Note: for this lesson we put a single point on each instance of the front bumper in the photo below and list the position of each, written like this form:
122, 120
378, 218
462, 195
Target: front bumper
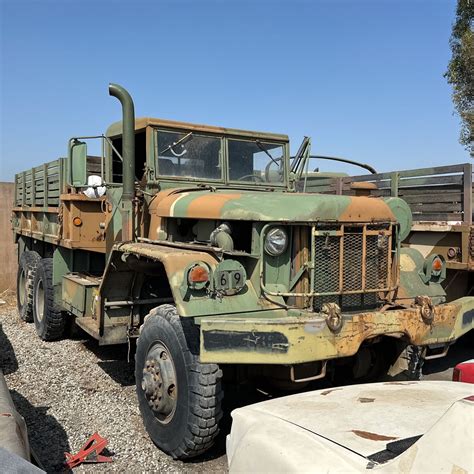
278, 338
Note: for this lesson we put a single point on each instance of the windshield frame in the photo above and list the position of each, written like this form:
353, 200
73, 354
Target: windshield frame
263, 142
196, 134
224, 160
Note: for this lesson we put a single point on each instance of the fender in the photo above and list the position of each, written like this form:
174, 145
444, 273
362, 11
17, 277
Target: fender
176, 260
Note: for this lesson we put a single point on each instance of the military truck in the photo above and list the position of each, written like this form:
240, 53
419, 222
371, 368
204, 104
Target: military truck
191, 242
440, 199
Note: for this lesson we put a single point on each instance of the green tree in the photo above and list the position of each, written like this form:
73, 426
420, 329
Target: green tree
460, 73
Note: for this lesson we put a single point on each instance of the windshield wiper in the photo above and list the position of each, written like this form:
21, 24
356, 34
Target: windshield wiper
181, 140
266, 152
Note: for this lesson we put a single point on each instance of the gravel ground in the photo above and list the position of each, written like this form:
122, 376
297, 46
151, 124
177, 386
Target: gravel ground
69, 389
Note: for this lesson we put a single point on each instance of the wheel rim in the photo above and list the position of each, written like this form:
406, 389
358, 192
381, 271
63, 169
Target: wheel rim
159, 382
39, 300
22, 287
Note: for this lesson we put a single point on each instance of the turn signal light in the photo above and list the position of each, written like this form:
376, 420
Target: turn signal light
77, 221
198, 274
437, 265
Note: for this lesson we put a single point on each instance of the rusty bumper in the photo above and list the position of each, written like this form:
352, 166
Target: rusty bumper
282, 337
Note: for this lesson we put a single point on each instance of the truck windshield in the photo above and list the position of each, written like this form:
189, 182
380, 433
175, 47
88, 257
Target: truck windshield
256, 161
186, 154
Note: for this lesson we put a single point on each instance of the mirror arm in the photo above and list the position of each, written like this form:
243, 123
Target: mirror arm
345, 160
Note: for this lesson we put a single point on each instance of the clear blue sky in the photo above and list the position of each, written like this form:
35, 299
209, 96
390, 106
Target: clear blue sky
363, 78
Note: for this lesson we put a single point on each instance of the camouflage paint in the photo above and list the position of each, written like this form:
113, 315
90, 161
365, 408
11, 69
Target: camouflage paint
196, 303
281, 207
293, 335
439, 197
304, 337
455, 243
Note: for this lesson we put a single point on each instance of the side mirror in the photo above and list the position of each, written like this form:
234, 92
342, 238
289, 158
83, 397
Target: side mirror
77, 163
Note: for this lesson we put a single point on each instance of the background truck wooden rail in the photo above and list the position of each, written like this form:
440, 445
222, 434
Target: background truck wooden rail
440, 194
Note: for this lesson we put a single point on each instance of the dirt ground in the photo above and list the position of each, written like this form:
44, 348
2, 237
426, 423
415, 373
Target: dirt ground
69, 389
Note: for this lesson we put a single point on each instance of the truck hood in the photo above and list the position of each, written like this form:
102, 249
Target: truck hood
271, 207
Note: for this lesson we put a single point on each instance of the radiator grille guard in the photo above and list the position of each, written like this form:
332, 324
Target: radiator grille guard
351, 264
346, 264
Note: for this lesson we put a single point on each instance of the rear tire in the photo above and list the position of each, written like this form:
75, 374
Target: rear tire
29, 260
179, 398
49, 320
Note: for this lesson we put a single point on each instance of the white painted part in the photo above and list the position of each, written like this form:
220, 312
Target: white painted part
96, 189
181, 196
261, 443
447, 447
324, 430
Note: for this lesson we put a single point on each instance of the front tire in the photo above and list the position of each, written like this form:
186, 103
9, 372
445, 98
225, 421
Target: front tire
179, 398
49, 320
29, 260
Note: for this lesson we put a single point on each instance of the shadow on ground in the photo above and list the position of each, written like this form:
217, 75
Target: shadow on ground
461, 351
113, 360
48, 439
8, 362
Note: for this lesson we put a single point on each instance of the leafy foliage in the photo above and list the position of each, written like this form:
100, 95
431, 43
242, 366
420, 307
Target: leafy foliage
460, 73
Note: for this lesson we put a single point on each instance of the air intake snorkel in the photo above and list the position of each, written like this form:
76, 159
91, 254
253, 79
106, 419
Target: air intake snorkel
128, 155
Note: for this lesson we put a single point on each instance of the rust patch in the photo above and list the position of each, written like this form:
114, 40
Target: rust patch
373, 436
210, 206
365, 400
6, 414
327, 392
367, 209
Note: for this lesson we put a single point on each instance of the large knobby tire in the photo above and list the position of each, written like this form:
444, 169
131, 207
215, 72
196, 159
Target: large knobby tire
49, 320
179, 398
29, 260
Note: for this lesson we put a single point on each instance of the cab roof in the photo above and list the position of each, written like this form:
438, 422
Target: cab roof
142, 122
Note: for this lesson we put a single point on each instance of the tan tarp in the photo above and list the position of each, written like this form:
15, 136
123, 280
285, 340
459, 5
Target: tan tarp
13, 434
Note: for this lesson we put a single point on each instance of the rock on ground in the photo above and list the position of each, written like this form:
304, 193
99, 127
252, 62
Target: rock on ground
69, 389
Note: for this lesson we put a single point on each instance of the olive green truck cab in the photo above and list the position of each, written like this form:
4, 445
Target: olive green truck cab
192, 241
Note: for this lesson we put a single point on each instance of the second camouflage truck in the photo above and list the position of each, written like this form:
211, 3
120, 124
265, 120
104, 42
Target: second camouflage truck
440, 199
191, 241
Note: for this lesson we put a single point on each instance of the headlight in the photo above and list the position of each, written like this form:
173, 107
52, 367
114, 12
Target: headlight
276, 241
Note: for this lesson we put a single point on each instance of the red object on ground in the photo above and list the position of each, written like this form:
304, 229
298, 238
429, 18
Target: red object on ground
90, 452
464, 372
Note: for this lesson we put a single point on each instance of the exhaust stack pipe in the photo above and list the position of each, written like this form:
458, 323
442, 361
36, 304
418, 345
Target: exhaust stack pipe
128, 155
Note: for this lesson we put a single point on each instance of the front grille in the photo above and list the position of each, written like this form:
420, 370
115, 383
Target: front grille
351, 264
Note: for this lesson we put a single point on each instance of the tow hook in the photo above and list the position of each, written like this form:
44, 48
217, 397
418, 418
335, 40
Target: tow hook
332, 313
426, 308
